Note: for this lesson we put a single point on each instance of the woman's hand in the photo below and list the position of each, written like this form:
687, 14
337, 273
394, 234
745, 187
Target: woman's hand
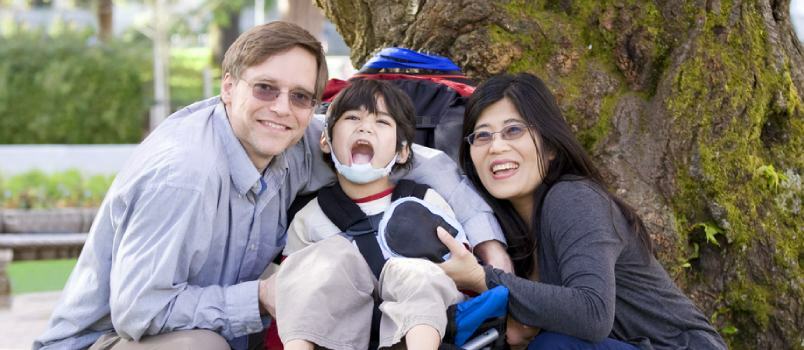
518, 335
462, 266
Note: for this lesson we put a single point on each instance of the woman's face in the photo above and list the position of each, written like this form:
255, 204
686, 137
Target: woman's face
509, 169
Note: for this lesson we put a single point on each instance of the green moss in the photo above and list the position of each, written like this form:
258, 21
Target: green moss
791, 93
524, 8
557, 29
592, 136
752, 301
726, 93
722, 96
533, 55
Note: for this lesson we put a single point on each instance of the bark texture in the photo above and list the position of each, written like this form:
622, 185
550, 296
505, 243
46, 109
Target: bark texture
692, 107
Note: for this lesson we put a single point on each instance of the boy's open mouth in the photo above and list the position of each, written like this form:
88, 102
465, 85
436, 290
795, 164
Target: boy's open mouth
362, 152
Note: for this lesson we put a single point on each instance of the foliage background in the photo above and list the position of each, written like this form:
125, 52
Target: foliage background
65, 189
65, 88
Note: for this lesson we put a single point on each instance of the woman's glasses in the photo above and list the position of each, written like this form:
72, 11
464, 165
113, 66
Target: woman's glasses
266, 92
509, 132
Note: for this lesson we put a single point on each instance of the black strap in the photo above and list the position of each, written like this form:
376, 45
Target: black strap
353, 222
365, 236
339, 208
345, 213
407, 188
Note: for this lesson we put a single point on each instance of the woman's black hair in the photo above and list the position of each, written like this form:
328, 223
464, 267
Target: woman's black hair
362, 94
551, 134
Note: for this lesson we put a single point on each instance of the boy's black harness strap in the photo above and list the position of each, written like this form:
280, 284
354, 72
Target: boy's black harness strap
407, 188
353, 222
364, 233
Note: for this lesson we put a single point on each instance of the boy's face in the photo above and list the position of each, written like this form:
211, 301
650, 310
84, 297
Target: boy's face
268, 127
362, 137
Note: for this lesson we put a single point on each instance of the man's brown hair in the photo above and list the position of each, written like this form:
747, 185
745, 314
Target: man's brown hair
258, 43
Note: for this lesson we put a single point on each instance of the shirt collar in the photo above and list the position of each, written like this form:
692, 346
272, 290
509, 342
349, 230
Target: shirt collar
241, 169
244, 174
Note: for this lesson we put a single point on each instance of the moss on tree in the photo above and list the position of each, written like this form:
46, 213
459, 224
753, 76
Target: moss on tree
692, 107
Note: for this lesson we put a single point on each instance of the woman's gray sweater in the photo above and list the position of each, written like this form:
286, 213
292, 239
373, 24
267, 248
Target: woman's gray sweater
596, 280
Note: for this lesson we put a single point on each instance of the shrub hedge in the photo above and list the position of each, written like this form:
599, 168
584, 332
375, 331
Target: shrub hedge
69, 89
36, 190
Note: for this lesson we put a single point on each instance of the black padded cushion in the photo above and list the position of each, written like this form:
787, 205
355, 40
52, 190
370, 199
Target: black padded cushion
411, 232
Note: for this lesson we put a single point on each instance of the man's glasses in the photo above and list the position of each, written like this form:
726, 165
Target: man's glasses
509, 132
266, 92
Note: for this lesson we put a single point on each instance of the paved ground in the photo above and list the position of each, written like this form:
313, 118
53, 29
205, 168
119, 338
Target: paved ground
26, 319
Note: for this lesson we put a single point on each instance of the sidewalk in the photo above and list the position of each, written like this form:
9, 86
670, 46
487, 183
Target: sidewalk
26, 319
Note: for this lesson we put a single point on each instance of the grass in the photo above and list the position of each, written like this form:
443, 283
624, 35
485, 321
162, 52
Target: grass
39, 275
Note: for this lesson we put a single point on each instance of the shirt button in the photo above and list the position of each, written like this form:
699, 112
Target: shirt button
253, 247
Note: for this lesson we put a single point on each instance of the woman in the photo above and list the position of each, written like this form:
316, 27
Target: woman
585, 272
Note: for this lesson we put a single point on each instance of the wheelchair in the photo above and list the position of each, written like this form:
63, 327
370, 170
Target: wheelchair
474, 324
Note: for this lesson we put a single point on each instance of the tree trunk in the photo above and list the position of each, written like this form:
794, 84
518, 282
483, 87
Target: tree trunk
306, 15
226, 34
105, 10
692, 107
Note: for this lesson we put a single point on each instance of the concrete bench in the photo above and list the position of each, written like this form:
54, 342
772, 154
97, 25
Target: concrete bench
59, 220
42, 246
34, 246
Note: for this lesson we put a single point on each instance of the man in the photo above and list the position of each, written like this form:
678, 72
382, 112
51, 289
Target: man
175, 252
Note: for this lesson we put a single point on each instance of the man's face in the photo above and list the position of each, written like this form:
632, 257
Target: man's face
267, 128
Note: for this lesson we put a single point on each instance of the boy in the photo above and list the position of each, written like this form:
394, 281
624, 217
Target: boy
327, 285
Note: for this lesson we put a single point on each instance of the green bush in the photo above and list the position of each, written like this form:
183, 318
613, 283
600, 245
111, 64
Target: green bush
36, 190
67, 89
186, 75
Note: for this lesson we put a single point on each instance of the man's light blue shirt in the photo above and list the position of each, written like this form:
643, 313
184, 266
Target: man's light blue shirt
189, 225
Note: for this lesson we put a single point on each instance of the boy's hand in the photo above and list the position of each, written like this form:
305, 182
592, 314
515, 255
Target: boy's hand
267, 296
462, 266
493, 253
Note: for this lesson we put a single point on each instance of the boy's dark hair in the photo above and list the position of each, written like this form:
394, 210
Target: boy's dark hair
363, 93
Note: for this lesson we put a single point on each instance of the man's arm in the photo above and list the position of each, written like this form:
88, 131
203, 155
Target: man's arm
494, 253
162, 240
267, 296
